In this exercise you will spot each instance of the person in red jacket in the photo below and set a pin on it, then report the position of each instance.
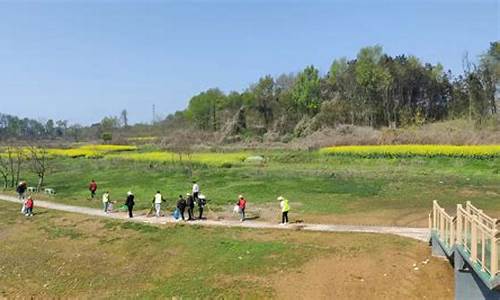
(29, 207)
(92, 188)
(242, 204)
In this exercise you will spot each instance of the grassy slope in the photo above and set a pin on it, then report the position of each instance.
(315, 184)
(56, 254)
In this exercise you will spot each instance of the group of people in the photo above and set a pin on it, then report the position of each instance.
(192, 199)
(28, 203)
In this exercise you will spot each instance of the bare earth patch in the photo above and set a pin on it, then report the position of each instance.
(386, 275)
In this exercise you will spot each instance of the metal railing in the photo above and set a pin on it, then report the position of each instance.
(444, 225)
(477, 234)
(472, 229)
(483, 218)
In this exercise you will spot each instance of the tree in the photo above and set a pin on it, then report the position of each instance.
(489, 70)
(75, 131)
(38, 158)
(374, 81)
(204, 109)
(124, 118)
(4, 171)
(61, 128)
(265, 98)
(49, 128)
(306, 91)
(338, 69)
(109, 124)
(15, 159)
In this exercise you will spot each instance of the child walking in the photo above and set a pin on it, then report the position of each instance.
(29, 207)
(242, 204)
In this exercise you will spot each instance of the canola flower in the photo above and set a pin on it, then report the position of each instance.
(89, 151)
(209, 158)
(470, 151)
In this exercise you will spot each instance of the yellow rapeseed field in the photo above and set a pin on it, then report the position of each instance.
(209, 158)
(89, 151)
(473, 151)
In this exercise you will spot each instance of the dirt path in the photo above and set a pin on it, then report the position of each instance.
(421, 234)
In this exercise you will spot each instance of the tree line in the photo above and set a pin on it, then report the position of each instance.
(373, 89)
(30, 129)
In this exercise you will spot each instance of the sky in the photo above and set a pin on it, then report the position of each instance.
(83, 60)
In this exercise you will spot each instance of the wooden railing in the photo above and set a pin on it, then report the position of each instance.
(472, 229)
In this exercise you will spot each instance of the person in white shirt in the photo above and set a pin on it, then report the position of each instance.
(105, 201)
(157, 200)
(196, 190)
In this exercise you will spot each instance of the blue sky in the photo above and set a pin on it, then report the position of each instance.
(82, 61)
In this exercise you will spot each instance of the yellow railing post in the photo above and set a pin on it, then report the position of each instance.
(482, 251)
(452, 233)
(473, 239)
(494, 254)
(459, 224)
(434, 214)
(441, 223)
(430, 221)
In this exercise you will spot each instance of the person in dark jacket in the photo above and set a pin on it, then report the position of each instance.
(201, 204)
(21, 189)
(130, 204)
(181, 205)
(190, 206)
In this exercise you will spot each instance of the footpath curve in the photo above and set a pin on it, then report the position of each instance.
(420, 234)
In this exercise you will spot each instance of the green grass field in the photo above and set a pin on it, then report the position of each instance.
(321, 188)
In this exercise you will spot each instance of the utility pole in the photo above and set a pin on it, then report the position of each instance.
(154, 114)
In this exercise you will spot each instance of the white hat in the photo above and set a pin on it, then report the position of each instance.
(240, 196)
(129, 193)
(201, 196)
(280, 198)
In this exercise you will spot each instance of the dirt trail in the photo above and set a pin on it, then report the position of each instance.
(421, 234)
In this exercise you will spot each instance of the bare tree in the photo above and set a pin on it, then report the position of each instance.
(39, 158)
(15, 159)
(4, 171)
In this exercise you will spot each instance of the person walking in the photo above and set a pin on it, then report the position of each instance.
(21, 190)
(196, 191)
(105, 201)
(157, 200)
(190, 206)
(29, 207)
(130, 204)
(285, 207)
(21, 193)
(181, 206)
(242, 204)
(92, 189)
(201, 204)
